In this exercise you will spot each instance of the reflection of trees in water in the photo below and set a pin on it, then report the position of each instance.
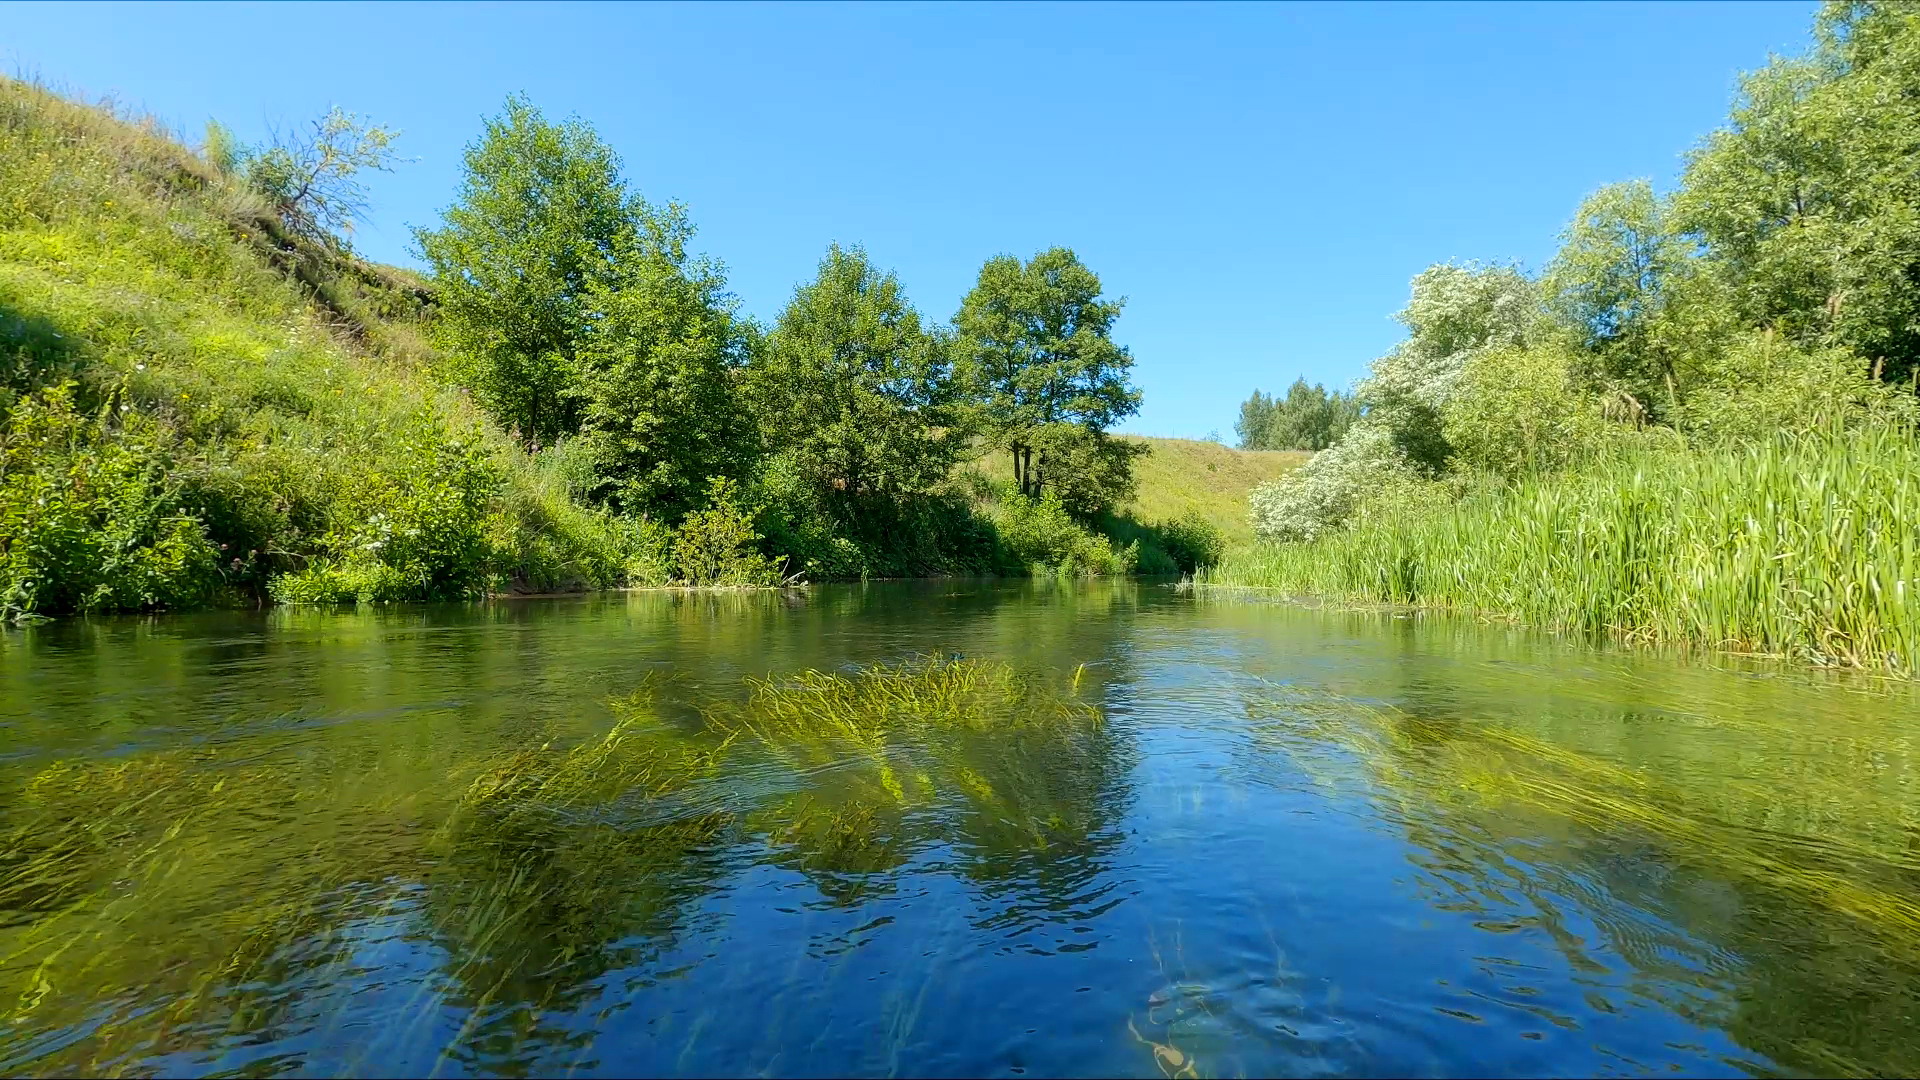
(1803, 948)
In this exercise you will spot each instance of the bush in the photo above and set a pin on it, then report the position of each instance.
(716, 546)
(1320, 496)
(1192, 542)
(1041, 535)
(1518, 410)
(1763, 385)
(91, 517)
(416, 535)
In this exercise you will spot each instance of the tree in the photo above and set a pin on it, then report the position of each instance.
(1309, 417)
(853, 388)
(1047, 377)
(1456, 312)
(1256, 418)
(660, 411)
(539, 223)
(1620, 271)
(311, 177)
(1804, 203)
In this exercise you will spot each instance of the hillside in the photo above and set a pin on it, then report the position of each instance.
(1181, 475)
(202, 408)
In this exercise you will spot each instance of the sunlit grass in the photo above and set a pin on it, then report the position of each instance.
(1807, 548)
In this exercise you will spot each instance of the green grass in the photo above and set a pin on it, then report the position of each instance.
(1177, 477)
(1804, 547)
(264, 407)
(1180, 476)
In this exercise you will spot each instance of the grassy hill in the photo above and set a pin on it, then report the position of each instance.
(1178, 476)
(201, 407)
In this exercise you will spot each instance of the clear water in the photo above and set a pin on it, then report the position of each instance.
(1294, 842)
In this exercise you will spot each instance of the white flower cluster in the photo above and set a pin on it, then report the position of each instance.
(1319, 496)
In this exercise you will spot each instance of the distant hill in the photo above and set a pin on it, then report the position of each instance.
(1189, 474)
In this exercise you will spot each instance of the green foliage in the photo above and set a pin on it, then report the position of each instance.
(540, 220)
(1036, 354)
(1805, 202)
(852, 389)
(1617, 274)
(1797, 545)
(1307, 418)
(1520, 410)
(416, 533)
(242, 385)
(716, 545)
(1762, 384)
(91, 516)
(1193, 542)
(660, 411)
(1042, 534)
(222, 150)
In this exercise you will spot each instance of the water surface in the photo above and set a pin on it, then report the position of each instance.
(1105, 830)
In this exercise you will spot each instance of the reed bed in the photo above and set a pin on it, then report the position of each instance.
(1804, 547)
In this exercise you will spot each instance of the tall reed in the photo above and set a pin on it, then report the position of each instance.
(1801, 546)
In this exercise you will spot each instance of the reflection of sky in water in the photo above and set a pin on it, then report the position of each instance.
(1306, 843)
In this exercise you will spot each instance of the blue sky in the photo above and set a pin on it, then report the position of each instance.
(1260, 181)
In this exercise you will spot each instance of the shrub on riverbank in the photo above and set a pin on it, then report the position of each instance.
(1801, 545)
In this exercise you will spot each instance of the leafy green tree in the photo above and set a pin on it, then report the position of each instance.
(1309, 417)
(539, 224)
(1805, 202)
(1038, 355)
(661, 413)
(852, 387)
(1256, 419)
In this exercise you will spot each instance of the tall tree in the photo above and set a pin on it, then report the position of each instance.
(1038, 354)
(1805, 202)
(1619, 271)
(853, 388)
(661, 411)
(538, 225)
(1256, 418)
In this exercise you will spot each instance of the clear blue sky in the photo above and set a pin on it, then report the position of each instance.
(1260, 181)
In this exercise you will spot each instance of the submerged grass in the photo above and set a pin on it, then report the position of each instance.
(1448, 766)
(167, 902)
(1803, 547)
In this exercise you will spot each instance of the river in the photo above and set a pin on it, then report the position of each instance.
(941, 828)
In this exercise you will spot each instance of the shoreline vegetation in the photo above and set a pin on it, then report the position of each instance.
(1696, 426)
(207, 399)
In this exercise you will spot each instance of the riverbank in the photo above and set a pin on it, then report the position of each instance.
(1802, 547)
(203, 406)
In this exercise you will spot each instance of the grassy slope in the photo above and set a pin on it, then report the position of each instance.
(280, 389)
(1179, 475)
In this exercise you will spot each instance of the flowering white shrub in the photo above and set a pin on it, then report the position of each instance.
(1457, 312)
(1321, 495)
